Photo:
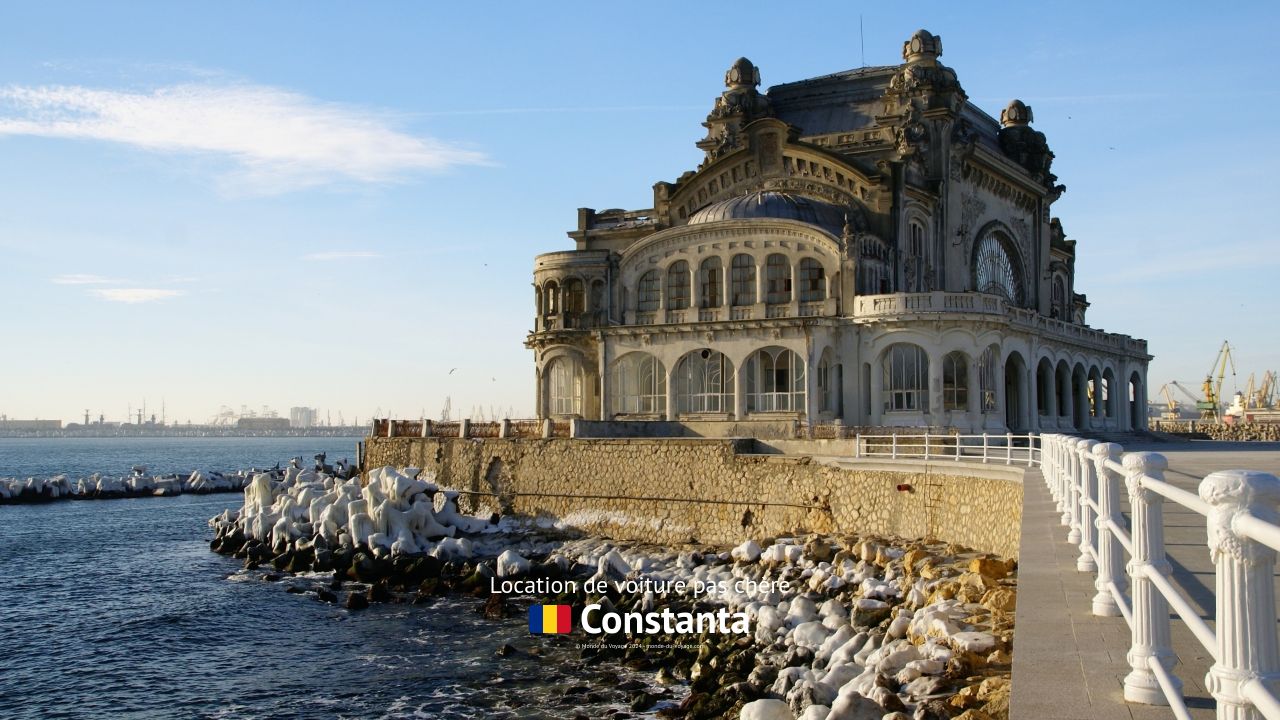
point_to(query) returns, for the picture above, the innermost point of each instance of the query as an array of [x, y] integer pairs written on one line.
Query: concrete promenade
[[1069, 664]]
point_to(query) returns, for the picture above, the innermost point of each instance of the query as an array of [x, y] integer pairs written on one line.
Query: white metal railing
[[1009, 449], [1243, 527]]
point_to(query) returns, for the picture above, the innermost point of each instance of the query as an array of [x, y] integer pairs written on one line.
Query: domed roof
[[773, 204]]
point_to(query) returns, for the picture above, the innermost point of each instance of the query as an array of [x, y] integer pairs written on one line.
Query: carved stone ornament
[[1135, 465], [1233, 493], [740, 104]]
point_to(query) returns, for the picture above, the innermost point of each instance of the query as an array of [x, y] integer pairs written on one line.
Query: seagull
[[451, 371]]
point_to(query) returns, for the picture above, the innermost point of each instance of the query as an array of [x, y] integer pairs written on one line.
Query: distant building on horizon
[[302, 417], [866, 246], [30, 425], [262, 423]]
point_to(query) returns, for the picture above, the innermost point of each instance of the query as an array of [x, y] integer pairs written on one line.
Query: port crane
[[1262, 395], [1171, 403], [1211, 406]]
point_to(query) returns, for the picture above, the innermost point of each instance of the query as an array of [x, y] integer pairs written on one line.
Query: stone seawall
[[715, 491]]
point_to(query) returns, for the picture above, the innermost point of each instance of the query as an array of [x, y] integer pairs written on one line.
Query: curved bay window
[[813, 281], [906, 378], [565, 386], [743, 288], [777, 276], [639, 385], [710, 283], [955, 381], [994, 269], [678, 285], [649, 292], [775, 381], [987, 364], [704, 383]]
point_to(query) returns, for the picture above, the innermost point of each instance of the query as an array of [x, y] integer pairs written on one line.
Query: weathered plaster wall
[[710, 491]]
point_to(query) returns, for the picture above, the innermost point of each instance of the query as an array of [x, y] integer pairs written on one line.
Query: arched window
[[987, 363], [913, 265], [1058, 308], [649, 294], [777, 276], [744, 280], [552, 297], [704, 383], [813, 281], [994, 269], [566, 386], [906, 378], [955, 381], [537, 300], [678, 285], [775, 381], [710, 283], [575, 297], [639, 385]]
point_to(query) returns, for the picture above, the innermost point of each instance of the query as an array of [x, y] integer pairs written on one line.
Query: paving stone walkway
[[1069, 664]]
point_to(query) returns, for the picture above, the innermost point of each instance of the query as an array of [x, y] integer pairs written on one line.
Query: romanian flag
[[550, 618]]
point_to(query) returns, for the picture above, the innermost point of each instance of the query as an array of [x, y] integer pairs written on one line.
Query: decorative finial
[[923, 47], [1017, 113]]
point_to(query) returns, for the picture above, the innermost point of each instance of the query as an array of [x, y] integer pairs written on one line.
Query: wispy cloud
[[278, 140], [80, 279], [133, 296], [342, 255]]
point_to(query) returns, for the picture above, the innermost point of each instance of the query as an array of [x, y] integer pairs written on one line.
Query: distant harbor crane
[[1211, 406]]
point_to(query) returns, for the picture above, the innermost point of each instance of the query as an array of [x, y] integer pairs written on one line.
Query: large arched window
[[777, 276], [639, 385], [955, 381], [710, 283], [988, 363], [575, 296], [913, 265], [649, 293], [704, 383], [743, 288], [551, 296], [813, 281], [995, 271], [678, 285], [775, 381], [565, 386], [906, 378]]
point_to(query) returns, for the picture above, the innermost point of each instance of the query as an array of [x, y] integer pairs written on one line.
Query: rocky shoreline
[[863, 628]]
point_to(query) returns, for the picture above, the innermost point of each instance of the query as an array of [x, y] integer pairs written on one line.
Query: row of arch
[[744, 281]]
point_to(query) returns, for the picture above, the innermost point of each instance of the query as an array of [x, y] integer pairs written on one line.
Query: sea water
[[117, 608]]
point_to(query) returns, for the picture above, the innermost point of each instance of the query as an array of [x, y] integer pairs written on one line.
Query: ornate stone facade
[[866, 246]]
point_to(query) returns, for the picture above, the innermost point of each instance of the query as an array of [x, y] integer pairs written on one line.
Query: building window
[[744, 280], [913, 265], [955, 381], [649, 294], [710, 282], [775, 381], [566, 386], [829, 384], [575, 297], [813, 281], [678, 285], [639, 384], [704, 383], [987, 364], [552, 297], [777, 276], [1058, 308], [994, 269], [873, 266], [906, 378]]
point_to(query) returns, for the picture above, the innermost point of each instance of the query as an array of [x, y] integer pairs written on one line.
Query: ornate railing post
[[1088, 499], [1151, 638], [1071, 516], [1246, 594], [1110, 552]]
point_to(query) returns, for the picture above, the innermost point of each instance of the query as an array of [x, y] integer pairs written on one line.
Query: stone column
[[603, 364], [1000, 392], [1151, 633], [877, 393], [672, 411], [1032, 399], [1246, 597], [974, 392], [740, 392], [934, 394], [1051, 398]]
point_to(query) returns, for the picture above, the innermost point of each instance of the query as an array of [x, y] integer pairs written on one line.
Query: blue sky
[[335, 204]]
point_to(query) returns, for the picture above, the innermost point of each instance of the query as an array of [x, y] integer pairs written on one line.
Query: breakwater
[[676, 491]]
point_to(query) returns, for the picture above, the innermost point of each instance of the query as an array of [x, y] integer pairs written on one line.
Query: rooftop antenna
[[862, 40]]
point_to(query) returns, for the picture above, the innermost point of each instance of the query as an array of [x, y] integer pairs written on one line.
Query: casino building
[[866, 246]]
